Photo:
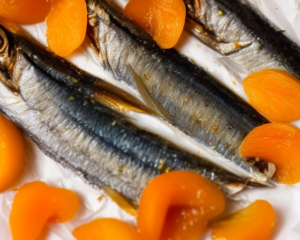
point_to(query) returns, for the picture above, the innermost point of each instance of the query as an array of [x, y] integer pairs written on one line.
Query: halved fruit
[[277, 143], [12, 153], [162, 19], [275, 94], [106, 229], [24, 11], [254, 222], [37, 203], [67, 23], [178, 205]]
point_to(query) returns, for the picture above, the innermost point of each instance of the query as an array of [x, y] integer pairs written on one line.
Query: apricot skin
[[25, 11], [35, 204], [275, 94], [277, 143], [66, 26], [162, 19], [178, 205], [12, 153], [106, 229], [254, 222]]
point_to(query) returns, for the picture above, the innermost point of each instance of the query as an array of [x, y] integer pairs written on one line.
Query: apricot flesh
[[277, 143], [178, 205], [35, 204], [162, 19], [254, 222], [106, 229], [275, 94], [66, 26], [12, 152], [24, 11]]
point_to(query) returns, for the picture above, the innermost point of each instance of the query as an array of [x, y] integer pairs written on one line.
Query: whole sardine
[[87, 137], [255, 44], [176, 89]]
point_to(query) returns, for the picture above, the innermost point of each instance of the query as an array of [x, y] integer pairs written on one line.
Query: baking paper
[[285, 200]]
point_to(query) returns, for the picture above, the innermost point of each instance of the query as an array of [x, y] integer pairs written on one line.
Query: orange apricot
[[12, 153], [106, 229], [277, 143], [67, 23], [162, 19], [178, 205], [35, 204], [24, 11], [254, 222], [275, 94]]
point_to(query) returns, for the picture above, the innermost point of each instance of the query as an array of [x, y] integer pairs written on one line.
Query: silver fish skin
[[88, 138], [231, 21], [192, 101]]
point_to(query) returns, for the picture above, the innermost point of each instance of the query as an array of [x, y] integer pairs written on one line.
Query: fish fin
[[101, 55], [115, 102], [107, 66], [146, 96], [225, 48], [121, 201]]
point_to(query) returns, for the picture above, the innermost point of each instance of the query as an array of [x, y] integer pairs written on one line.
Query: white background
[[285, 200]]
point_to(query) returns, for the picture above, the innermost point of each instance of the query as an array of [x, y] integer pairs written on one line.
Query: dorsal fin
[[147, 97]]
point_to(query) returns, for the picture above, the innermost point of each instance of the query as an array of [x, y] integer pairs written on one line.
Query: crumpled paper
[[285, 200]]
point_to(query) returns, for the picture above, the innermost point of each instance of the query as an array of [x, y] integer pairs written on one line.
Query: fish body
[[85, 136], [185, 95], [231, 21]]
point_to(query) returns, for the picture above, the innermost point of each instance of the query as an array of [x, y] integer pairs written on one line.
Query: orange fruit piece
[[254, 222], [12, 153], [178, 205], [35, 204], [275, 94], [106, 229], [24, 11], [162, 19], [67, 23], [277, 143]]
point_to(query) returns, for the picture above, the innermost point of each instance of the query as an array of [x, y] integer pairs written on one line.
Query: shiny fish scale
[[194, 101], [81, 135], [238, 22]]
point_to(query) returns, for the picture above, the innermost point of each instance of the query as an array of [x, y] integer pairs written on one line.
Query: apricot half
[[275, 94], [106, 229], [162, 19], [12, 152], [35, 204], [67, 23], [24, 11], [254, 222], [178, 205], [277, 143]]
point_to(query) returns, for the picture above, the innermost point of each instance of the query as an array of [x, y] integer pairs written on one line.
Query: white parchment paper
[[285, 200]]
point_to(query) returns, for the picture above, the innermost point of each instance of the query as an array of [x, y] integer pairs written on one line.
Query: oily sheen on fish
[[83, 135], [257, 45], [177, 90]]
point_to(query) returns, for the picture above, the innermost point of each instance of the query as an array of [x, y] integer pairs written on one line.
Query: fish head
[[8, 53], [4, 43]]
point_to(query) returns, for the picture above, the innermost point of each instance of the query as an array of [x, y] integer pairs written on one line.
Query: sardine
[[232, 22], [180, 92], [86, 136]]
